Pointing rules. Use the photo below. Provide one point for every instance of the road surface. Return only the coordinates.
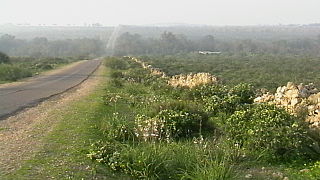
(14, 98)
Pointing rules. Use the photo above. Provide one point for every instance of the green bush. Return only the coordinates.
(13, 72)
(219, 98)
(116, 75)
(181, 124)
(137, 75)
(244, 91)
(116, 63)
(200, 92)
(268, 129)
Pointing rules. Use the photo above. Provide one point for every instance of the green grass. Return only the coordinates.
(106, 118)
(21, 67)
(63, 155)
(135, 100)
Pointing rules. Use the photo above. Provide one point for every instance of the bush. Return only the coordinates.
(116, 63)
(268, 129)
(244, 91)
(201, 92)
(13, 72)
(116, 75)
(173, 121)
(137, 75)
(181, 124)
(218, 98)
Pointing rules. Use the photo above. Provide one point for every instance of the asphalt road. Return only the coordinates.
(14, 98)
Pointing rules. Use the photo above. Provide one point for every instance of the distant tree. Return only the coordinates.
(207, 43)
(129, 44)
(4, 58)
(7, 42)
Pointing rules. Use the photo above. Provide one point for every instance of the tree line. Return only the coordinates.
(42, 47)
(170, 43)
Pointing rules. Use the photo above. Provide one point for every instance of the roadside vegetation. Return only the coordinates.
(63, 148)
(151, 130)
(136, 126)
(16, 68)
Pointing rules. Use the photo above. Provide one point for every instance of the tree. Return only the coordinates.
(129, 44)
(4, 58)
(207, 43)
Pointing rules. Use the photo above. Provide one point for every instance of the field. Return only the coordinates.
(152, 130)
(262, 71)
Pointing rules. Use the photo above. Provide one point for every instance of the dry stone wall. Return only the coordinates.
(296, 99)
(189, 80)
(192, 80)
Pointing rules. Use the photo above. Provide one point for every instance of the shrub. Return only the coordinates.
(180, 124)
(268, 129)
(116, 75)
(218, 98)
(201, 92)
(244, 91)
(137, 75)
(116, 63)
(13, 72)
(172, 124)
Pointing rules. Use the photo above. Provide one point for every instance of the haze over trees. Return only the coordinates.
(132, 40)
(4, 58)
(42, 47)
(148, 40)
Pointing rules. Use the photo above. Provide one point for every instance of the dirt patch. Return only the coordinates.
(21, 135)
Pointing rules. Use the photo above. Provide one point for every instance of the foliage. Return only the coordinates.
(268, 129)
(13, 72)
(170, 124)
(274, 40)
(154, 131)
(219, 98)
(314, 172)
(22, 67)
(40, 47)
(163, 161)
(244, 91)
(260, 70)
(116, 63)
(4, 58)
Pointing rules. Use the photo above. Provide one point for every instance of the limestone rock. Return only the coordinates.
(192, 80)
(296, 99)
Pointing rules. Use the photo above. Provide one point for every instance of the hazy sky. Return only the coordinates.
(142, 12)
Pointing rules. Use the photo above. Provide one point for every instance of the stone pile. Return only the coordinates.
(192, 80)
(296, 99)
